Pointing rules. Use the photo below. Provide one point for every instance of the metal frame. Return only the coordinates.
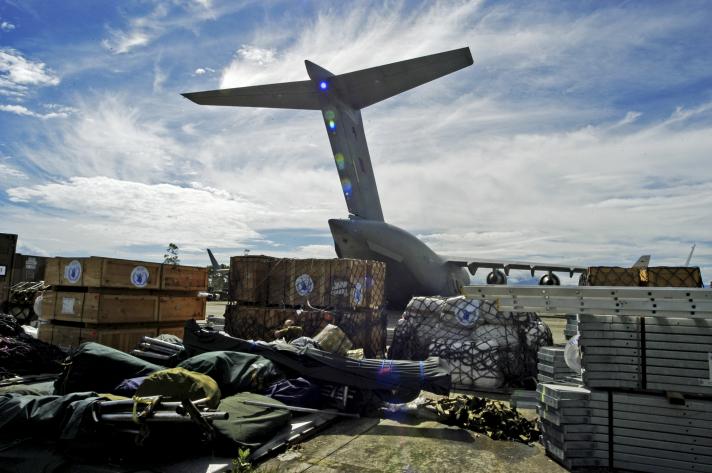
(598, 300)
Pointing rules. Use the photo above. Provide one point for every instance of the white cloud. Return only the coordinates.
(110, 213)
(6, 26)
(7, 172)
(121, 42)
(18, 73)
(22, 110)
(199, 71)
(143, 29)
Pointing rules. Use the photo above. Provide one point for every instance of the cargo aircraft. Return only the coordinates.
(412, 267)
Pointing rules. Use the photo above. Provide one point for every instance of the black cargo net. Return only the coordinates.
(21, 355)
(486, 349)
(274, 298)
(654, 276)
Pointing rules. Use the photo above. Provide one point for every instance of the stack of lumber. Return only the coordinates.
(266, 292)
(552, 366)
(117, 302)
(7, 255)
(622, 430)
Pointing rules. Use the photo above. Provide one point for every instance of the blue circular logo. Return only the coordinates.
(73, 271)
(304, 285)
(139, 276)
(468, 314)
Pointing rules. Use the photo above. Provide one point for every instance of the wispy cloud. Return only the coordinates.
(6, 26)
(143, 29)
(18, 73)
(58, 112)
(8, 172)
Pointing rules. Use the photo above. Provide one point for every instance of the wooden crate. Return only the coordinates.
(66, 336)
(7, 257)
(98, 308)
(249, 278)
(96, 271)
(357, 284)
(178, 308)
(124, 338)
(71, 336)
(44, 331)
(184, 278)
(307, 281)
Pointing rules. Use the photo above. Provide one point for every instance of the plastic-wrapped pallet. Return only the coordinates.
(485, 348)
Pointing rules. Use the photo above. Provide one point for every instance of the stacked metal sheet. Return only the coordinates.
(571, 328)
(647, 353)
(574, 425)
(653, 435)
(552, 366)
(632, 431)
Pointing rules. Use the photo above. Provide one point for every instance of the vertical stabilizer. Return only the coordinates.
(213, 261)
(340, 99)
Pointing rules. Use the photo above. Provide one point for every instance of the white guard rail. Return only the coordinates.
(603, 300)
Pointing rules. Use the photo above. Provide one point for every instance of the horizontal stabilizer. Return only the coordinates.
(295, 95)
(368, 86)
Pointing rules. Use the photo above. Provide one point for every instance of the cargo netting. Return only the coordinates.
(322, 283)
(302, 296)
(365, 328)
(654, 276)
(485, 348)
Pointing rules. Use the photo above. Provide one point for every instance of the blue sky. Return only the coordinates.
(582, 133)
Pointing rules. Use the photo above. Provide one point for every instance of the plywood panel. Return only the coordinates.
(184, 278)
(172, 309)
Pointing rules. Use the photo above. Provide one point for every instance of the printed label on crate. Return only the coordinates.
(358, 293)
(467, 314)
(73, 271)
(2, 270)
(340, 288)
(139, 276)
(68, 305)
(304, 284)
(31, 263)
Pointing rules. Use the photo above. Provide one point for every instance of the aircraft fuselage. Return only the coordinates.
(413, 268)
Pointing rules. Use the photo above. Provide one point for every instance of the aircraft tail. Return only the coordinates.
(340, 99)
(642, 262)
(214, 262)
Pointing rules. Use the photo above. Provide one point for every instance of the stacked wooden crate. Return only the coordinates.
(116, 302)
(7, 255)
(265, 292)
